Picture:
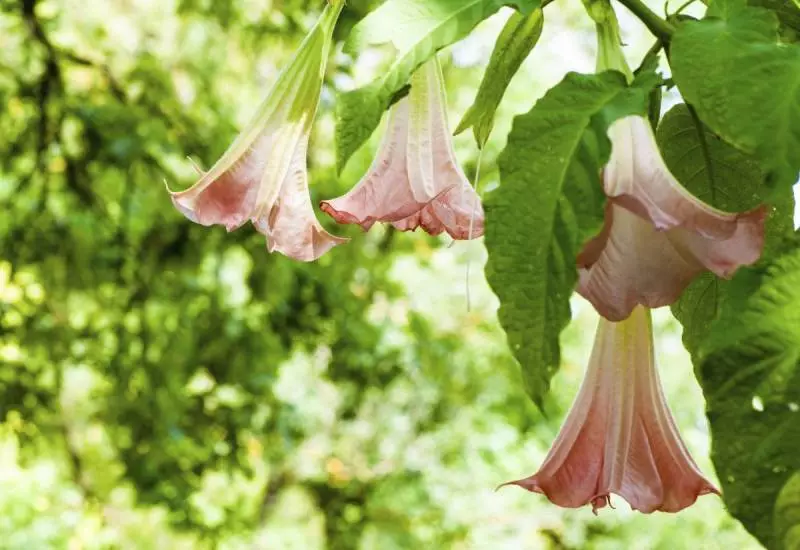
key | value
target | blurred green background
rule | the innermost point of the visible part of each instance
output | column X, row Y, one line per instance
column 165, row 385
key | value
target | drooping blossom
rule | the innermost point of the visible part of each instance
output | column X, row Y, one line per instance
column 619, row 436
column 657, row 236
column 263, row 176
column 415, row 180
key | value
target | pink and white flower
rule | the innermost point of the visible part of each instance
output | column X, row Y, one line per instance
column 262, row 177
column 657, row 236
column 619, row 436
column 415, row 180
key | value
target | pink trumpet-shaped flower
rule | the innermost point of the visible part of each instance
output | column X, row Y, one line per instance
column 263, row 177
column 415, row 181
column 657, row 236
column 620, row 437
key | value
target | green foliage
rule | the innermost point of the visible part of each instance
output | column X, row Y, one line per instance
column 744, row 84
column 416, row 30
column 182, row 330
column 787, row 514
column 549, row 204
column 750, row 371
column 728, row 179
column 517, row 39
column 788, row 13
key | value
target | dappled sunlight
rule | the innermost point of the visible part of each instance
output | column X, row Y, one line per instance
column 169, row 384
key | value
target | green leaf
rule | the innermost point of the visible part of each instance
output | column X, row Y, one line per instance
column 416, row 29
column 787, row 514
column 750, row 372
column 516, row 41
column 728, row 179
column 549, row 203
column 744, row 84
column 788, row 12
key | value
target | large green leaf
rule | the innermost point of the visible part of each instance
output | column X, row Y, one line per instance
column 549, row 203
column 788, row 12
column 728, row 179
column 416, row 29
column 517, row 39
column 743, row 82
column 787, row 514
column 750, row 372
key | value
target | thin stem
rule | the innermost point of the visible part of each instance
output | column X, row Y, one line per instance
column 684, row 6
column 661, row 29
column 654, row 49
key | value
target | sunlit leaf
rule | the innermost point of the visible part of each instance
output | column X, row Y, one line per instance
column 787, row 514
column 749, row 368
column 788, row 12
column 728, row 179
column 550, row 202
column 516, row 40
column 744, row 84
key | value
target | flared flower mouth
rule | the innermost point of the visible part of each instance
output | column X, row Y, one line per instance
column 415, row 180
column 619, row 436
column 657, row 236
column 262, row 177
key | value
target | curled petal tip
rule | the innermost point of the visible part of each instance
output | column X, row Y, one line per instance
column 186, row 210
column 517, row 482
column 600, row 502
column 343, row 216
column 322, row 243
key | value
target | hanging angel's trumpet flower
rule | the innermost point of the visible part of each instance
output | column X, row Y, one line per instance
column 415, row 181
column 263, row 176
column 619, row 436
column 657, row 236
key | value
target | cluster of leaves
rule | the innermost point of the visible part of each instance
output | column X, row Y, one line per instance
column 182, row 333
column 735, row 143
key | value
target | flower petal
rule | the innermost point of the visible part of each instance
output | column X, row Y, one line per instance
column 657, row 237
column 290, row 225
column 262, row 176
column 619, row 437
column 384, row 194
column 226, row 195
column 637, row 178
column 415, row 180
column 639, row 265
column 457, row 211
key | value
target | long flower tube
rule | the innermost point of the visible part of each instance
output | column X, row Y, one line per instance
column 263, row 177
column 619, row 436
